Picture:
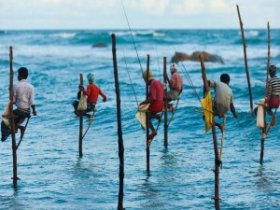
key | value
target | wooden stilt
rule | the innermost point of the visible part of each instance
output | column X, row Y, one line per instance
column 262, row 150
column 245, row 60
column 12, row 122
column 147, row 120
column 120, row 139
column 268, row 51
column 165, row 104
column 265, row 129
column 214, row 137
column 81, row 124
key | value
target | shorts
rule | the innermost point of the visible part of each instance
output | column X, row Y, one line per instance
column 274, row 102
column 156, row 107
column 173, row 95
column 21, row 115
column 220, row 110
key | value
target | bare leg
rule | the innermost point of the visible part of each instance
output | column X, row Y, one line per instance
column 220, row 126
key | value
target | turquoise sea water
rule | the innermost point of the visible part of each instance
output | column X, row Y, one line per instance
column 54, row 177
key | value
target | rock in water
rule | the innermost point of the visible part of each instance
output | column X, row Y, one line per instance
column 99, row 45
column 208, row 57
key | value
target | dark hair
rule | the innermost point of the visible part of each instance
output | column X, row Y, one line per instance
column 225, row 78
column 23, row 72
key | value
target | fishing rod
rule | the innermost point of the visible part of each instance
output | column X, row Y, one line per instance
column 131, row 34
column 134, row 92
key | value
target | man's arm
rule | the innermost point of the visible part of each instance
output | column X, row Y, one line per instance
column 211, row 83
column 232, row 109
column 33, row 110
column 268, row 92
column 33, row 102
column 103, row 95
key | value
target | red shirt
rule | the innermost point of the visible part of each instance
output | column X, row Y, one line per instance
column 92, row 93
column 157, row 95
column 156, row 90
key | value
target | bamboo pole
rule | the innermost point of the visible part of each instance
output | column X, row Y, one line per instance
column 165, row 104
column 120, row 139
column 81, row 124
column 268, row 51
column 264, row 130
column 147, row 119
column 12, row 122
column 245, row 60
column 262, row 149
column 214, row 137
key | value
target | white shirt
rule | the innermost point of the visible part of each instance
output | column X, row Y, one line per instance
column 24, row 94
column 223, row 94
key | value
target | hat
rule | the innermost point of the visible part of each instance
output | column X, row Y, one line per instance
column 150, row 75
column 272, row 69
column 173, row 67
column 91, row 77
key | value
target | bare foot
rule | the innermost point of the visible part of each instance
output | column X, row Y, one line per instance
column 158, row 117
column 22, row 130
column 151, row 137
column 221, row 127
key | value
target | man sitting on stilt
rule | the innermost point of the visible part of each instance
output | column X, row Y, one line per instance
column 155, row 99
column 223, row 98
column 175, row 84
column 23, row 99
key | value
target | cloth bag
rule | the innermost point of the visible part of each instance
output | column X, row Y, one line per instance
column 82, row 106
column 141, row 114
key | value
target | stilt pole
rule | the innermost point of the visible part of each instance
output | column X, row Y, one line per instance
column 268, row 50
column 12, row 122
column 262, row 150
column 147, row 119
column 214, row 137
column 264, row 130
column 165, row 104
column 120, row 137
column 245, row 60
column 81, row 124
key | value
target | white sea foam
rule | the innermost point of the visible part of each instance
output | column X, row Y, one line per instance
column 65, row 35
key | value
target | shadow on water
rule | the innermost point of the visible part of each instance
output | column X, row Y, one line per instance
column 12, row 201
column 263, row 181
column 151, row 196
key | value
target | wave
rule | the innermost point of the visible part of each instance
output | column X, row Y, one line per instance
column 140, row 33
column 252, row 33
column 65, row 35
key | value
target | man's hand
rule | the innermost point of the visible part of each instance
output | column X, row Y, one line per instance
column 104, row 99
column 33, row 110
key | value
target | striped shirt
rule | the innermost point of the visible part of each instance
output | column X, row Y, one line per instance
column 273, row 86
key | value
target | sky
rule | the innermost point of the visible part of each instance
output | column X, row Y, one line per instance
column 154, row 14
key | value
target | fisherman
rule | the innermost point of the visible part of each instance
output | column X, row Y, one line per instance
column 273, row 90
column 223, row 98
column 23, row 99
column 175, row 83
column 92, row 93
column 155, row 99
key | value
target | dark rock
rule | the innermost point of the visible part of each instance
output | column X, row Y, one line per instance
column 208, row 57
column 179, row 56
column 99, row 45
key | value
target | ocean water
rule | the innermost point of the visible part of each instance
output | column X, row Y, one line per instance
column 51, row 172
